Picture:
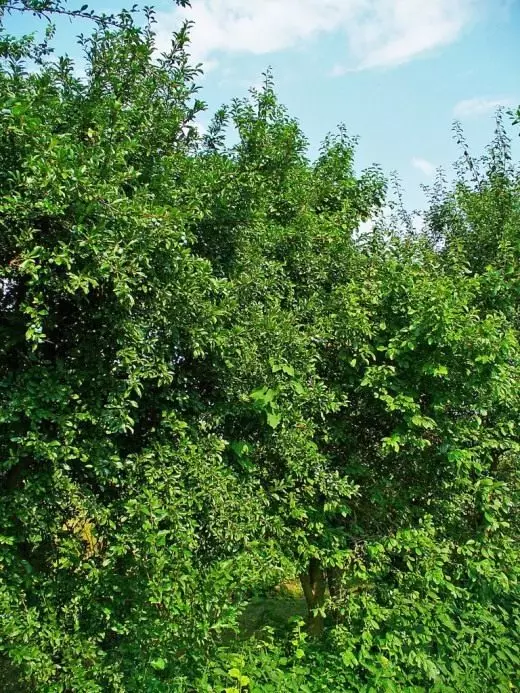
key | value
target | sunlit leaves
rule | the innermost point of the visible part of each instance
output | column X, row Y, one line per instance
column 209, row 381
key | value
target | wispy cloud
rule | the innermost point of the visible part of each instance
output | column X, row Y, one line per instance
column 478, row 106
column 378, row 33
column 338, row 70
column 396, row 31
column 424, row 166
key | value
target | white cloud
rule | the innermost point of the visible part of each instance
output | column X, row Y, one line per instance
column 423, row 166
column 480, row 106
column 365, row 228
column 396, row 31
column 378, row 33
column 200, row 127
column 197, row 125
column 339, row 70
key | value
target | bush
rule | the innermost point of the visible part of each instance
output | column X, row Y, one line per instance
column 211, row 381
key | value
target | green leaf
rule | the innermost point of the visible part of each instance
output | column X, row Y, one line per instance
column 159, row 664
column 263, row 395
column 273, row 419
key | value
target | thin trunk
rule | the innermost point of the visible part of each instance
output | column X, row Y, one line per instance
column 313, row 583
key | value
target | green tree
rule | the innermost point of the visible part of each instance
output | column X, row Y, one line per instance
column 211, row 380
column 119, row 516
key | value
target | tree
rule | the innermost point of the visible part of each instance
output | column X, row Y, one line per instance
column 115, row 556
column 211, row 380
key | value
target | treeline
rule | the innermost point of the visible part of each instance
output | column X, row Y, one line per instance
column 212, row 381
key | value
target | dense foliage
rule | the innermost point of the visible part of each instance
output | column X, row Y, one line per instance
column 212, row 382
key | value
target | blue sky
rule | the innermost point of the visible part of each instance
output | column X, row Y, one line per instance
column 396, row 72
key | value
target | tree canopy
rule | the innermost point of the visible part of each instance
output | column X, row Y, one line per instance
column 212, row 381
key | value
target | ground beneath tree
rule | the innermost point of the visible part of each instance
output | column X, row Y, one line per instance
column 274, row 610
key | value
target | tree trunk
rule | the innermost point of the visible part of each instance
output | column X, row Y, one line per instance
column 313, row 584
column 334, row 581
